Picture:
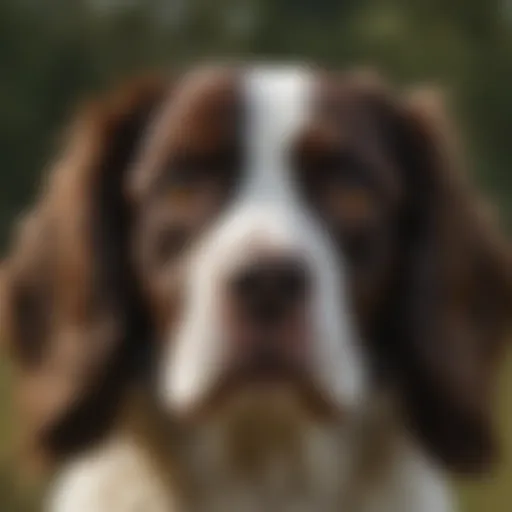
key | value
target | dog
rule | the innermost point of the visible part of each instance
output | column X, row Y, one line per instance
column 258, row 287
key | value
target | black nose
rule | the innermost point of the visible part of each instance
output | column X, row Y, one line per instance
column 269, row 290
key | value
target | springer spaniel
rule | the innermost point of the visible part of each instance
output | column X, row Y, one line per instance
column 258, row 288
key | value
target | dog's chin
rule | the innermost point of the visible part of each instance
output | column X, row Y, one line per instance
column 265, row 393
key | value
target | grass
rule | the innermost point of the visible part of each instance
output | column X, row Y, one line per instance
column 495, row 493
column 492, row 495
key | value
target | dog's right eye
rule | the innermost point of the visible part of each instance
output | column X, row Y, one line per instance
column 183, row 184
column 170, row 243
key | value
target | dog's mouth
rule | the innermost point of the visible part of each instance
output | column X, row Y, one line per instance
column 266, row 378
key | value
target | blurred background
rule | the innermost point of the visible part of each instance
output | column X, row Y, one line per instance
column 55, row 52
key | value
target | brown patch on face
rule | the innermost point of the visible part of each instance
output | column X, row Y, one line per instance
column 199, row 122
column 351, row 180
column 184, row 176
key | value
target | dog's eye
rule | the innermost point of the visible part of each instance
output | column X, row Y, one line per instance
column 171, row 242
column 343, row 170
column 335, row 172
column 354, row 206
column 358, row 248
column 193, row 173
column 183, row 183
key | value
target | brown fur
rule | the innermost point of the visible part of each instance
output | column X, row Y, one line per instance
column 454, row 309
column 68, row 304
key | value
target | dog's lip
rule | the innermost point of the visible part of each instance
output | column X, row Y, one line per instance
column 266, row 364
column 265, row 354
column 270, row 373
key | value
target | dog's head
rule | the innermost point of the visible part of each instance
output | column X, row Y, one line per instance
column 243, row 231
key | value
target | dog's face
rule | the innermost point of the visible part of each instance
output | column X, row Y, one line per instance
column 231, row 240
column 259, row 232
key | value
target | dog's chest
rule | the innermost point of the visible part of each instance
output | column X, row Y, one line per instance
column 300, row 471
column 328, row 475
column 279, row 489
column 258, row 498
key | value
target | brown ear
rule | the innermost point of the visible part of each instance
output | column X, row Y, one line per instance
column 71, row 313
column 453, row 301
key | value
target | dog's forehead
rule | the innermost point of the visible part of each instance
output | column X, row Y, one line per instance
column 281, row 96
column 208, row 83
column 258, row 109
column 196, row 107
column 260, row 91
column 278, row 104
column 201, row 95
column 215, row 107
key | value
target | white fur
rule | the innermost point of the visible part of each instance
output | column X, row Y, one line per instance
column 118, row 477
column 115, row 477
column 267, row 214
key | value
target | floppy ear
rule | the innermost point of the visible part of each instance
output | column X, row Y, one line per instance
column 71, row 312
column 454, row 296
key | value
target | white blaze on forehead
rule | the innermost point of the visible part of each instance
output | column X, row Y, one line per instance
column 268, row 212
column 277, row 105
column 278, row 102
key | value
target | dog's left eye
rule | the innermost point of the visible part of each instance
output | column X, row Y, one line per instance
column 333, row 172
column 170, row 242
column 193, row 173
column 183, row 183
column 343, row 170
